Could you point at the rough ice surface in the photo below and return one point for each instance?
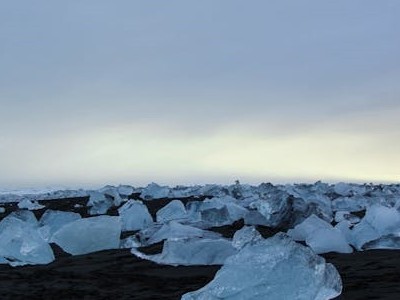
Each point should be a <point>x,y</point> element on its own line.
<point>130,242</point>
<point>276,268</point>
<point>99,203</point>
<point>320,236</point>
<point>30,205</point>
<point>89,235</point>
<point>175,230</point>
<point>125,190</point>
<point>134,216</point>
<point>377,222</point>
<point>244,236</point>
<point>197,251</point>
<point>20,242</point>
<point>221,211</point>
<point>174,210</point>
<point>390,241</point>
<point>155,191</point>
<point>53,220</point>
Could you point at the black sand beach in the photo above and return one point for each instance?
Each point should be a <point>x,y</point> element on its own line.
<point>117,274</point>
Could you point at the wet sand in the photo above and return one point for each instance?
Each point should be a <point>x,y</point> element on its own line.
<point>117,274</point>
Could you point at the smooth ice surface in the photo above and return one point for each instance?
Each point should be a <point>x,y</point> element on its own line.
<point>53,220</point>
<point>89,235</point>
<point>320,236</point>
<point>197,251</point>
<point>175,230</point>
<point>276,268</point>
<point>172,211</point>
<point>134,216</point>
<point>20,242</point>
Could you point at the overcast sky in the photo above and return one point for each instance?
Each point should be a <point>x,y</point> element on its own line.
<point>107,92</point>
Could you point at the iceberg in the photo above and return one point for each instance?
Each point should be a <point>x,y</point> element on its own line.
<point>275,268</point>
<point>89,235</point>
<point>134,216</point>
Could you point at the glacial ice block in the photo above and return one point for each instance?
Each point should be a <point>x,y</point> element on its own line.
<point>20,242</point>
<point>321,236</point>
<point>244,236</point>
<point>89,235</point>
<point>99,203</point>
<point>53,220</point>
<point>377,222</point>
<point>134,216</point>
<point>196,251</point>
<point>175,230</point>
<point>172,211</point>
<point>276,268</point>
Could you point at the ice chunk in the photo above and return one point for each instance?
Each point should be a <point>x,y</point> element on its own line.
<point>53,220</point>
<point>25,216</point>
<point>130,242</point>
<point>134,216</point>
<point>30,205</point>
<point>221,211</point>
<point>378,221</point>
<point>244,236</point>
<point>154,191</point>
<point>276,268</point>
<point>197,251</point>
<point>89,235</point>
<point>343,189</point>
<point>175,230</point>
<point>20,242</point>
<point>2,210</point>
<point>125,190</point>
<point>390,241</point>
<point>174,210</point>
<point>320,236</point>
<point>345,215</point>
<point>99,203</point>
<point>307,228</point>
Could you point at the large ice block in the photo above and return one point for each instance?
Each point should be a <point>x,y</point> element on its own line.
<point>321,236</point>
<point>134,216</point>
<point>20,242</point>
<point>174,210</point>
<point>99,203</point>
<point>89,235</point>
<point>377,222</point>
<point>197,251</point>
<point>53,220</point>
<point>175,230</point>
<point>276,268</point>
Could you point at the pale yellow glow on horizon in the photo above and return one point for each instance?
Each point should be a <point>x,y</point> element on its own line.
<point>126,155</point>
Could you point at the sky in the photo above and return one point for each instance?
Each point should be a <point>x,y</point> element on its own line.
<point>185,92</point>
